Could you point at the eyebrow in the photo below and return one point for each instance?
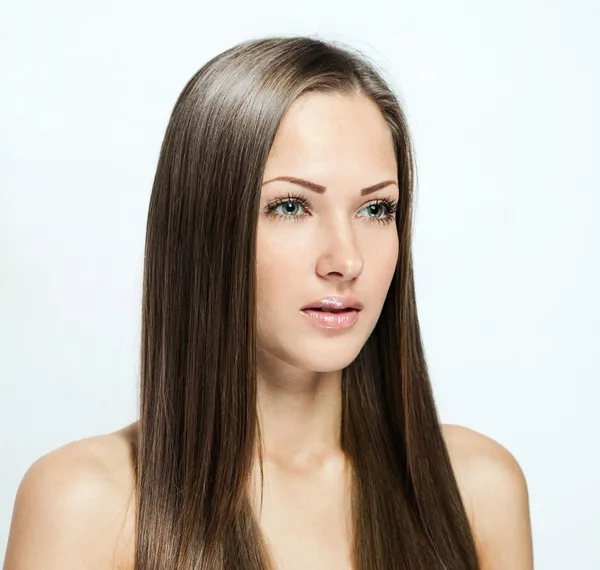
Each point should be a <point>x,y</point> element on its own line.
<point>321,189</point>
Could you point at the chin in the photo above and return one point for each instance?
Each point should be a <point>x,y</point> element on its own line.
<point>316,350</point>
<point>324,357</point>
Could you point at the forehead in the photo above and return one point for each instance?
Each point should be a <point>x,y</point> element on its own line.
<point>332,135</point>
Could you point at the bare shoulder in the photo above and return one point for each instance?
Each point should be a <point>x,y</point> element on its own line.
<point>74,507</point>
<point>495,494</point>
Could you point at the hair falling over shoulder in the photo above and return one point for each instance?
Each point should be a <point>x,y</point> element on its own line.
<point>198,394</point>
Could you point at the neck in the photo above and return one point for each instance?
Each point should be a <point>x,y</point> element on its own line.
<point>300,416</point>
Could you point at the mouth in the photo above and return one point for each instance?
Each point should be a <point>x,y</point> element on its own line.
<point>320,310</point>
<point>332,319</point>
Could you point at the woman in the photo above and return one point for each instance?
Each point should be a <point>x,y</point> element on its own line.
<point>286,415</point>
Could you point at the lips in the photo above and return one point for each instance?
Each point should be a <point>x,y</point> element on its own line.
<point>333,313</point>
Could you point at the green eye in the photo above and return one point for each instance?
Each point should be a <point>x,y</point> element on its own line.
<point>289,206</point>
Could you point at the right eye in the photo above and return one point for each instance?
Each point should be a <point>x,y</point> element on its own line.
<point>287,207</point>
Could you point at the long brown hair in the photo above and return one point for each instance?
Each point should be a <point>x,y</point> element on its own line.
<point>198,427</point>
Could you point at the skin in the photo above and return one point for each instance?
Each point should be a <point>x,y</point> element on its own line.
<point>73,508</point>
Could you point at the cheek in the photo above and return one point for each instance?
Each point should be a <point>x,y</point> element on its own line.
<point>277,269</point>
<point>280,275</point>
<point>392,252</point>
<point>383,261</point>
<point>381,251</point>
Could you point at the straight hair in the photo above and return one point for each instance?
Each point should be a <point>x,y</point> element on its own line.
<point>199,427</point>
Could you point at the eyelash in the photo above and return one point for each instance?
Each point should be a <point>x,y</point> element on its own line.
<point>390,205</point>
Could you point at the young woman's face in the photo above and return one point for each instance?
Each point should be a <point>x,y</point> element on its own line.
<point>331,241</point>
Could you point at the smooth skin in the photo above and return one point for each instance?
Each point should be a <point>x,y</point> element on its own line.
<point>74,506</point>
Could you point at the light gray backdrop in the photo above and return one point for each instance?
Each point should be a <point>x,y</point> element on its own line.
<point>502,99</point>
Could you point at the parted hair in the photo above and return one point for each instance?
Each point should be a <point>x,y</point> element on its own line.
<point>198,424</point>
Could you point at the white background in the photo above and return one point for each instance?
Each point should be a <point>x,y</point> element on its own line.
<point>502,99</point>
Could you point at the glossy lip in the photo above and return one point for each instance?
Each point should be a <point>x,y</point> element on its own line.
<point>335,302</point>
<point>327,320</point>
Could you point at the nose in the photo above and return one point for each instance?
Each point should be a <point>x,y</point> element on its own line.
<point>339,258</point>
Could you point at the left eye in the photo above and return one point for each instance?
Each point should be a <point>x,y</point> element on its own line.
<point>373,208</point>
